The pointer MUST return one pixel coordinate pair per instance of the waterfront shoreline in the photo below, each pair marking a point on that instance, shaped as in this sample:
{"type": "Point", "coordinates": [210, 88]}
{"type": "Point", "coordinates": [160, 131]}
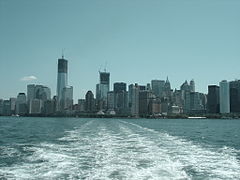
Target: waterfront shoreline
{"type": "Point", "coordinates": [183, 116]}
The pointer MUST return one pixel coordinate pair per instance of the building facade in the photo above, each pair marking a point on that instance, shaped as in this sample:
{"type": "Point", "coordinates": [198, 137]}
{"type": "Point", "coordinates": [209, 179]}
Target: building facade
{"type": "Point", "coordinates": [102, 90]}
{"type": "Point", "coordinates": [158, 87]}
{"type": "Point", "coordinates": [213, 99]}
{"type": "Point", "coordinates": [234, 96]}
{"type": "Point", "coordinates": [224, 97]}
{"type": "Point", "coordinates": [62, 82]}
{"type": "Point", "coordinates": [89, 102]}
{"type": "Point", "coordinates": [133, 93]}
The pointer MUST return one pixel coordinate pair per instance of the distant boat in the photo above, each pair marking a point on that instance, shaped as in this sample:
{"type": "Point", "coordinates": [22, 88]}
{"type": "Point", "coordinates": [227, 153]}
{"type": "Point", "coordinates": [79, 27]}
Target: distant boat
{"type": "Point", "coordinates": [15, 115]}
{"type": "Point", "coordinates": [192, 117]}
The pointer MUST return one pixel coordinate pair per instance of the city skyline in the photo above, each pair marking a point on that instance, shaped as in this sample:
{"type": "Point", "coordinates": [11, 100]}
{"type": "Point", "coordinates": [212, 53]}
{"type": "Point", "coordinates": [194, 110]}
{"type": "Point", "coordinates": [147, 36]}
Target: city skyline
{"type": "Point", "coordinates": [157, 98]}
{"type": "Point", "coordinates": [139, 41]}
{"type": "Point", "coordinates": [31, 80]}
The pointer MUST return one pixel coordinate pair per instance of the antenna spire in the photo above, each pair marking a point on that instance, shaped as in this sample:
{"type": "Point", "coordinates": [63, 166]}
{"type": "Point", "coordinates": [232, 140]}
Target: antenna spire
{"type": "Point", "coordinates": [105, 68]}
{"type": "Point", "coordinates": [63, 53]}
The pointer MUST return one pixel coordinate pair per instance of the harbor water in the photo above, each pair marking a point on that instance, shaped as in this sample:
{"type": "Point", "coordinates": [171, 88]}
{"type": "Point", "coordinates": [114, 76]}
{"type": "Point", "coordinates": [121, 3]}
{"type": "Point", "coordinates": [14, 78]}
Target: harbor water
{"type": "Point", "coordinates": [132, 149]}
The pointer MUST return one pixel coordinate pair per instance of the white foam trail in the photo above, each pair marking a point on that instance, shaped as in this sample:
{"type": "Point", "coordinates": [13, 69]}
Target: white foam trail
{"type": "Point", "coordinates": [114, 149]}
{"type": "Point", "coordinates": [204, 162]}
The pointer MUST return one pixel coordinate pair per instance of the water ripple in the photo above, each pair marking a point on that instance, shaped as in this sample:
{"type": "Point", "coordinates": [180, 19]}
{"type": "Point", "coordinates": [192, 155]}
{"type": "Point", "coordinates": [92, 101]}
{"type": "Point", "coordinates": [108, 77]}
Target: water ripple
{"type": "Point", "coordinates": [102, 150]}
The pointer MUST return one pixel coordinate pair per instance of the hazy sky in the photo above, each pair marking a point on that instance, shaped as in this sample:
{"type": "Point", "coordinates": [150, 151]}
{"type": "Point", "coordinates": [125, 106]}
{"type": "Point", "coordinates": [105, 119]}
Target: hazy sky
{"type": "Point", "coordinates": [140, 40]}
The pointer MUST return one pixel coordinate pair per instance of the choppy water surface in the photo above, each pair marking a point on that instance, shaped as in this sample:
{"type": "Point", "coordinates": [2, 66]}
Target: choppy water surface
{"type": "Point", "coordinates": [69, 148]}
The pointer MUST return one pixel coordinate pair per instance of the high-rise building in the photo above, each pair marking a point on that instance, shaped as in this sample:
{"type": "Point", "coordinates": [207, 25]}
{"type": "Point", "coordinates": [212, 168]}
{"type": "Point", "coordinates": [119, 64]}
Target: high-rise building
{"type": "Point", "coordinates": [224, 97]}
{"type": "Point", "coordinates": [36, 97]}
{"type": "Point", "coordinates": [42, 92]}
{"type": "Point", "coordinates": [1, 106]}
{"type": "Point", "coordinates": [167, 85]}
{"type": "Point", "coordinates": [185, 86]}
{"type": "Point", "coordinates": [111, 100]}
{"type": "Point", "coordinates": [21, 104]}
{"type": "Point", "coordinates": [192, 86]}
{"type": "Point", "coordinates": [178, 98]}
{"type": "Point", "coordinates": [89, 102]}
{"type": "Point", "coordinates": [133, 93]}
{"type": "Point", "coordinates": [49, 107]}
{"type": "Point", "coordinates": [13, 105]}
{"type": "Point", "coordinates": [31, 92]}
{"type": "Point", "coordinates": [104, 84]}
{"type": "Point", "coordinates": [6, 108]}
{"type": "Point", "coordinates": [102, 90]}
{"type": "Point", "coordinates": [149, 87]}
{"type": "Point", "coordinates": [38, 92]}
{"type": "Point", "coordinates": [193, 103]}
{"type": "Point", "coordinates": [213, 99]}
{"type": "Point", "coordinates": [203, 102]}
{"type": "Point", "coordinates": [144, 100]}
{"type": "Point", "coordinates": [142, 87]}
{"type": "Point", "coordinates": [119, 87]}
{"type": "Point", "coordinates": [35, 106]}
{"type": "Point", "coordinates": [167, 88]}
{"type": "Point", "coordinates": [158, 87]}
{"type": "Point", "coordinates": [155, 106]}
{"type": "Point", "coordinates": [120, 97]}
{"type": "Point", "coordinates": [62, 80]}
{"type": "Point", "coordinates": [81, 105]}
{"type": "Point", "coordinates": [235, 96]}
{"type": "Point", "coordinates": [185, 90]}
{"type": "Point", "coordinates": [67, 98]}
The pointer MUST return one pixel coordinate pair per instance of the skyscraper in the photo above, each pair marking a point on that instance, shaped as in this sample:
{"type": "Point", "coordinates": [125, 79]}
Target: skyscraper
{"type": "Point", "coordinates": [111, 100]}
{"type": "Point", "coordinates": [6, 108]}
{"type": "Point", "coordinates": [167, 88]}
{"type": "Point", "coordinates": [144, 99]}
{"type": "Point", "coordinates": [67, 98]}
{"type": "Point", "coordinates": [30, 92]}
{"type": "Point", "coordinates": [119, 87]}
{"type": "Point", "coordinates": [62, 80]}
{"type": "Point", "coordinates": [224, 97]}
{"type": "Point", "coordinates": [120, 97]}
{"type": "Point", "coordinates": [133, 92]}
{"type": "Point", "coordinates": [104, 84]}
{"type": "Point", "coordinates": [1, 106]}
{"type": "Point", "coordinates": [64, 91]}
{"type": "Point", "coordinates": [192, 86]}
{"type": "Point", "coordinates": [158, 87]}
{"type": "Point", "coordinates": [234, 96]}
{"type": "Point", "coordinates": [35, 106]}
{"type": "Point", "coordinates": [42, 92]}
{"type": "Point", "coordinates": [193, 103]}
{"type": "Point", "coordinates": [21, 104]}
{"type": "Point", "coordinates": [89, 102]}
{"type": "Point", "coordinates": [213, 99]}
{"type": "Point", "coordinates": [102, 90]}
{"type": "Point", "coordinates": [13, 105]}
{"type": "Point", "coordinates": [36, 97]}
{"type": "Point", "coordinates": [185, 87]}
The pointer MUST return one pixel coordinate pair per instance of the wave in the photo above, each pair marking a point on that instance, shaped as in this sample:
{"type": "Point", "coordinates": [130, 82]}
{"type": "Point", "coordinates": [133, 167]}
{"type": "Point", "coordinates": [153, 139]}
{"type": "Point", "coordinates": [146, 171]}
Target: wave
{"type": "Point", "coordinates": [116, 149]}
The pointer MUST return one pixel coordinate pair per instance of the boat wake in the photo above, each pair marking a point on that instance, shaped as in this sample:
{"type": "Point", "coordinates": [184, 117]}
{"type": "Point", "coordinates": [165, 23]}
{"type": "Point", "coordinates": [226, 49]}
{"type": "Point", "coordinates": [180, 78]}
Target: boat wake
{"type": "Point", "coordinates": [117, 149]}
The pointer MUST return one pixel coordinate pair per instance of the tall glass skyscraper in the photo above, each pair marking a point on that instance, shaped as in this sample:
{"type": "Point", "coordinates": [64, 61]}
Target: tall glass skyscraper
{"type": "Point", "coordinates": [134, 99]}
{"type": "Point", "coordinates": [103, 86]}
{"type": "Point", "coordinates": [62, 80]}
{"type": "Point", "coordinates": [158, 87]}
{"type": "Point", "coordinates": [224, 97]}
{"type": "Point", "coordinates": [102, 90]}
{"type": "Point", "coordinates": [213, 99]}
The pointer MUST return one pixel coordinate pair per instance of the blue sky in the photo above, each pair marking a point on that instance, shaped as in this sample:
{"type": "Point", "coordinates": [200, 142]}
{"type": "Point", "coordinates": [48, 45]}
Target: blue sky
{"type": "Point", "coordinates": [140, 40]}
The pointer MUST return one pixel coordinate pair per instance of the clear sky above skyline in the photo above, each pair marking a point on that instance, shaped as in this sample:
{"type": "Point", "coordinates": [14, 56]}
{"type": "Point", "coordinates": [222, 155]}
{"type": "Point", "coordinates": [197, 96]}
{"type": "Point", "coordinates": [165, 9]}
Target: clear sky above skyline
{"type": "Point", "coordinates": [140, 40]}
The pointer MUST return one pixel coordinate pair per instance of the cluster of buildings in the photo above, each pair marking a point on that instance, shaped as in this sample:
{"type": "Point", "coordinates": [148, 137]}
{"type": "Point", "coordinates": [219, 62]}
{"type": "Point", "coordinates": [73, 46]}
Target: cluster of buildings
{"type": "Point", "coordinates": [151, 100]}
{"type": "Point", "coordinates": [224, 98]}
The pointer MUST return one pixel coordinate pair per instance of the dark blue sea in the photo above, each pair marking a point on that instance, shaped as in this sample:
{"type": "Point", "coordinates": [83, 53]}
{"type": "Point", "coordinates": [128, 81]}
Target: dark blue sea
{"type": "Point", "coordinates": [132, 149]}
